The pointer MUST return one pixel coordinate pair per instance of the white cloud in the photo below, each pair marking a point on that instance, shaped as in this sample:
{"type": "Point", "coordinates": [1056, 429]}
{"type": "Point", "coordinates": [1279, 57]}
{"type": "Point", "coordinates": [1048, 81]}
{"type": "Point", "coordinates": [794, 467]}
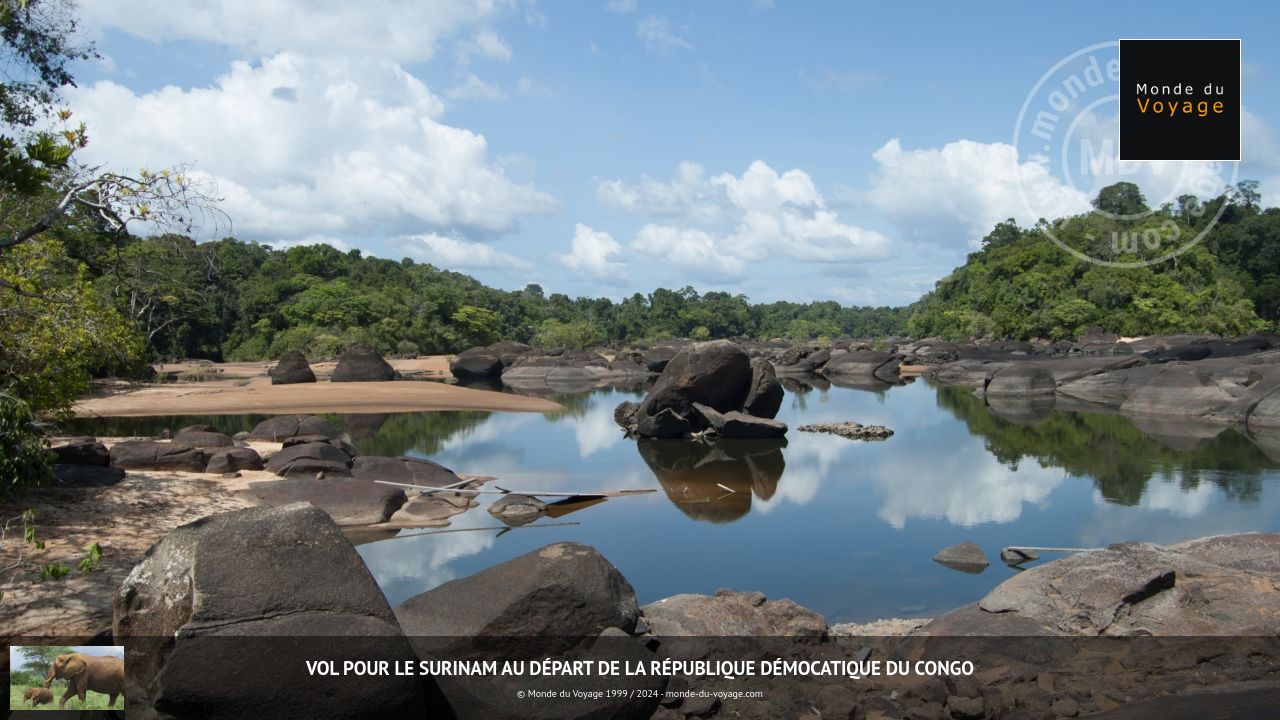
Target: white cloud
{"type": "Point", "coordinates": [960, 191]}
{"type": "Point", "coordinates": [300, 146]}
{"type": "Point", "coordinates": [656, 32]}
{"type": "Point", "coordinates": [592, 253]}
{"type": "Point", "coordinates": [473, 88]}
{"type": "Point", "coordinates": [456, 253]}
{"type": "Point", "coordinates": [485, 44]}
{"type": "Point", "coordinates": [721, 223]}
{"type": "Point", "coordinates": [384, 29]}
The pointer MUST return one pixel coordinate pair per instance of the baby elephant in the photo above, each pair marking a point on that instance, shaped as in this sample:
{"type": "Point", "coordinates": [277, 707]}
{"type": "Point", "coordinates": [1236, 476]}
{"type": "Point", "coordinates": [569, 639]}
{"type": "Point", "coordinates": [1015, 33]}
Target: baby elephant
{"type": "Point", "coordinates": [38, 696]}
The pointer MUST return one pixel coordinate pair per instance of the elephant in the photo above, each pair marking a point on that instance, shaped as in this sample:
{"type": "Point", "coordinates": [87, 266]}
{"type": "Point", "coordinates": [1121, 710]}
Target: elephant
{"type": "Point", "coordinates": [87, 672]}
{"type": "Point", "coordinates": [38, 696]}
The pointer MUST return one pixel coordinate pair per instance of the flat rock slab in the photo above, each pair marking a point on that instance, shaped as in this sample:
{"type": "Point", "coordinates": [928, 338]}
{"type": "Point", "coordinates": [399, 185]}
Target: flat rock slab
{"type": "Point", "coordinates": [403, 470]}
{"type": "Point", "coordinates": [283, 427]}
{"type": "Point", "coordinates": [347, 501]}
{"type": "Point", "coordinates": [731, 614]}
{"type": "Point", "coordinates": [850, 430]}
{"type": "Point", "coordinates": [152, 455]}
{"type": "Point", "coordinates": [1220, 586]}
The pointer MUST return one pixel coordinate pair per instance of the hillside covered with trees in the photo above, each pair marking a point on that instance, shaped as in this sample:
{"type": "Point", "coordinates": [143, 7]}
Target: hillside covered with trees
{"type": "Point", "coordinates": [1021, 285]}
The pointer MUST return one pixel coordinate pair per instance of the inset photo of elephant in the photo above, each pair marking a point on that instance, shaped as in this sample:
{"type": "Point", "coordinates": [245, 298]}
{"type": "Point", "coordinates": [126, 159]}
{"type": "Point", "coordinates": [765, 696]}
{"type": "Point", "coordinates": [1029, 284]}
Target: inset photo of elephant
{"type": "Point", "coordinates": [59, 677]}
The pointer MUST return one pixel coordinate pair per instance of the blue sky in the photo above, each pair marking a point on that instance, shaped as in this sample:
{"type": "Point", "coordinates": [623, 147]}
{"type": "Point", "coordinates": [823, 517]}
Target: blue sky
{"type": "Point", "coordinates": [610, 147]}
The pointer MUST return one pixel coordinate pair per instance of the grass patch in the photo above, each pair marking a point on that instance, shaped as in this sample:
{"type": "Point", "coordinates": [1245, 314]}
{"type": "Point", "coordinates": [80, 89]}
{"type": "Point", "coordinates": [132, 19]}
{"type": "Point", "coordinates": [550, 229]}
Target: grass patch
{"type": "Point", "coordinates": [92, 700]}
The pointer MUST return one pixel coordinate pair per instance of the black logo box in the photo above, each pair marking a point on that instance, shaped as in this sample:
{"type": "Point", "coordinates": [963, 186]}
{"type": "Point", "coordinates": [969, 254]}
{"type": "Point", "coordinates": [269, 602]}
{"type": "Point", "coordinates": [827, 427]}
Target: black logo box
{"type": "Point", "coordinates": [1181, 65]}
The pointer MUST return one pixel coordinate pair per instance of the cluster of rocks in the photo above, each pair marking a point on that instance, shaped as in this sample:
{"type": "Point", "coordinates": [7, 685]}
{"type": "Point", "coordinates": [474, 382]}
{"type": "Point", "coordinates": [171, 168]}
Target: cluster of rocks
{"type": "Point", "coordinates": [207, 591]}
{"type": "Point", "coordinates": [1205, 380]}
{"type": "Point", "coordinates": [358, 363]}
{"type": "Point", "coordinates": [526, 369]}
{"type": "Point", "coordinates": [708, 389]}
{"type": "Point", "coordinates": [850, 430]}
{"type": "Point", "coordinates": [316, 463]}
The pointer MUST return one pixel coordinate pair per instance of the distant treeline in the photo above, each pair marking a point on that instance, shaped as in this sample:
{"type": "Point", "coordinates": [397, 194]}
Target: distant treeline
{"type": "Point", "coordinates": [234, 300]}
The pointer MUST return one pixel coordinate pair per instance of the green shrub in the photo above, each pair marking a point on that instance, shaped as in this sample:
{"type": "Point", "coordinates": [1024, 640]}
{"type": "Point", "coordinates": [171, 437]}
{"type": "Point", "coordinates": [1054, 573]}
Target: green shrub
{"type": "Point", "coordinates": [23, 459]}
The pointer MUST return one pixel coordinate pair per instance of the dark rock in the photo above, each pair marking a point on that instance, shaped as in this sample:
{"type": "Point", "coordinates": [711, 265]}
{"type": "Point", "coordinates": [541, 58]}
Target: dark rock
{"type": "Point", "coordinates": [1184, 353]}
{"type": "Point", "coordinates": [339, 443]}
{"type": "Point", "coordinates": [283, 427]}
{"type": "Point", "coordinates": [508, 351]}
{"type": "Point", "coordinates": [192, 437]}
{"type": "Point", "coordinates": [566, 593]}
{"type": "Point", "coordinates": [410, 471]}
{"type": "Point", "coordinates": [1018, 556]}
{"type": "Point", "coordinates": [735, 424]}
{"type": "Point", "coordinates": [764, 399]}
{"type": "Point", "coordinates": [292, 368]}
{"type": "Point", "coordinates": [965, 557]}
{"type": "Point", "coordinates": [152, 455]}
{"type": "Point", "coordinates": [1224, 702]}
{"type": "Point", "coordinates": [656, 358]}
{"type": "Point", "coordinates": [863, 362]}
{"type": "Point", "coordinates": [85, 475]}
{"type": "Point", "coordinates": [716, 374]}
{"type": "Point", "coordinates": [1096, 335]}
{"type": "Point", "coordinates": [308, 458]}
{"type": "Point", "coordinates": [666, 425]}
{"type": "Point", "coordinates": [699, 706]}
{"type": "Point", "coordinates": [965, 708]}
{"type": "Point", "coordinates": [1021, 379]}
{"type": "Point", "coordinates": [82, 451]}
{"type": "Point", "coordinates": [361, 363]}
{"type": "Point", "coordinates": [1265, 414]}
{"type": "Point", "coordinates": [232, 460]}
{"type": "Point", "coordinates": [248, 574]}
{"type": "Point", "coordinates": [730, 614]}
{"type": "Point", "coordinates": [346, 500]}
{"type": "Point", "coordinates": [478, 362]}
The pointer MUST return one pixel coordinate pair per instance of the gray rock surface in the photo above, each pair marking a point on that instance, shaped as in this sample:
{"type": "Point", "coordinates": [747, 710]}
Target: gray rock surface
{"type": "Point", "coordinates": [346, 500]}
{"type": "Point", "coordinates": [732, 614]}
{"type": "Point", "coordinates": [1020, 380]}
{"type": "Point", "coordinates": [283, 427]}
{"type": "Point", "coordinates": [291, 369]}
{"type": "Point", "coordinates": [152, 455]}
{"type": "Point", "coordinates": [306, 459]}
{"type": "Point", "coordinates": [967, 556]}
{"type": "Point", "coordinates": [361, 363]}
{"type": "Point", "coordinates": [229, 460]}
{"type": "Point", "coordinates": [764, 398]}
{"type": "Point", "coordinates": [284, 571]}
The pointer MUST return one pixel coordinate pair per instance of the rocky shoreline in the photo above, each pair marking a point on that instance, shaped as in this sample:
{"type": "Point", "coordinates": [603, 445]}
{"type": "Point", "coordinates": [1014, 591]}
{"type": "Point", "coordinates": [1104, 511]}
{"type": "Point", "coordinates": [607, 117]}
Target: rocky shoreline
{"type": "Point", "coordinates": [221, 578]}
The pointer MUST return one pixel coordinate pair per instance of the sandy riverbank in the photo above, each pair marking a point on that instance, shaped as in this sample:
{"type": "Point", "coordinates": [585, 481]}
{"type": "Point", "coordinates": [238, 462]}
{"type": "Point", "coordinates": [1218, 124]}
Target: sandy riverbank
{"type": "Point", "coordinates": [244, 388]}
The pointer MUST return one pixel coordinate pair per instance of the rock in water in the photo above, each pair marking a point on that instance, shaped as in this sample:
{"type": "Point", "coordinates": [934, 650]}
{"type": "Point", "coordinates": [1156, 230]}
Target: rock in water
{"type": "Point", "coordinates": [517, 509]}
{"type": "Point", "coordinates": [1021, 379]}
{"type": "Point", "coordinates": [283, 427]}
{"type": "Point", "coordinates": [965, 557]}
{"type": "Point", "coordinates": [764, 399]}
{"type": "Point", "coordinates": [478, 362]}
{"type": "Point", "coordinates": [716, 374]}
{"type": "Point", "coordinates": [291, 369]}
{"type": "Point", "coordinates": [737, 425]}
{"type": "Point", "coordinates": [732, 614]}
{"type": "Point", "coordinates": [850, 430]}
{"type": "Point", "coordinates": [226, 587]}
{"type": "Point", "coordinates": [361, 363]}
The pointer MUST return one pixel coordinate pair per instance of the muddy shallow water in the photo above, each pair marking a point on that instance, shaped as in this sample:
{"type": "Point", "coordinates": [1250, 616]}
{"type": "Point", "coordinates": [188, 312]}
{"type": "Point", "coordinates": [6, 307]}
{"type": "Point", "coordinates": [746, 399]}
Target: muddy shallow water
{"type": "Point", "coordinates": [847, 528]}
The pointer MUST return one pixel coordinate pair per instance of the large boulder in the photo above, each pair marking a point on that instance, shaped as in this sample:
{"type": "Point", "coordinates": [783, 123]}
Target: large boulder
{"type": "Point", "coordinates": [764, 398]}
{"type": "Point", "coordinates": [965, 557]}
{"type": "Point", "coordinates": [732, 614]}
{"type": "Point", "coordinates": [292, 368]}
{"type": "Point", "coordinates": [228, 587]}
{"type": "Point", "coordinates": [565, 594]}
{"type": "Point", "coordinates": [411, 471]}
{"type": "Point", "coordinates": [864, 362]}
{"type": "Point", "coordinates": [1265, 414]}
{"type": "Point", "coordinates": [202, 436]}
{"type": "Point", "coordinates": [716, 374]}
{"type": "Point", "coordinates": [234, 459]}
{"type": "Point", "coordinates": [283, 427]}
{"type": "Point", "coordinates": [656, 358]}
{"type": "Point", "coordinates": [476, 363]}
{"type": "Point", "coordinates": [1021, 380]}
{"type": "Point", "coordinates": [1216, 586]}
{"type": "Point", "coordinates": [361, 363]}
{"type": "Point", "coordinates": [346, 500]}
{"type": "Point", "coordinates": [737, 425]}
{"type": "Point", "coordinates": [1110, 388]}
{"type": "Point", "coordinates": [82, 451]}
{"type": "Point", "coordinates": [508, 351]}
{"type": "Point", "coordinates": [80, 476]}
{"type": "Point", "coordinates": [153, 455]}
{"type": "Point", "coordinates": [1181, 390]}
{"type": "Point", "coordinates": [307, 459]}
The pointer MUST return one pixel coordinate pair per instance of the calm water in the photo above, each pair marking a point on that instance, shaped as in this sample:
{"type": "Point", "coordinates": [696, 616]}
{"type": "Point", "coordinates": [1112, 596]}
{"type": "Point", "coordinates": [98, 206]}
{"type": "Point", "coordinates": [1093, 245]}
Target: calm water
{"type": "Point", "coordinates": [846, 528]}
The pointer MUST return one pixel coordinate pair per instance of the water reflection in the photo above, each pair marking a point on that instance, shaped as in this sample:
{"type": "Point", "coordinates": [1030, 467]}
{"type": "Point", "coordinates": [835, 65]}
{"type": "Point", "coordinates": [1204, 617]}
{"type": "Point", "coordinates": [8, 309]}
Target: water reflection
{"type": "Point", "coordinates": [869, 516]}
{"type": "Point", "coordinates": [715, 482]}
